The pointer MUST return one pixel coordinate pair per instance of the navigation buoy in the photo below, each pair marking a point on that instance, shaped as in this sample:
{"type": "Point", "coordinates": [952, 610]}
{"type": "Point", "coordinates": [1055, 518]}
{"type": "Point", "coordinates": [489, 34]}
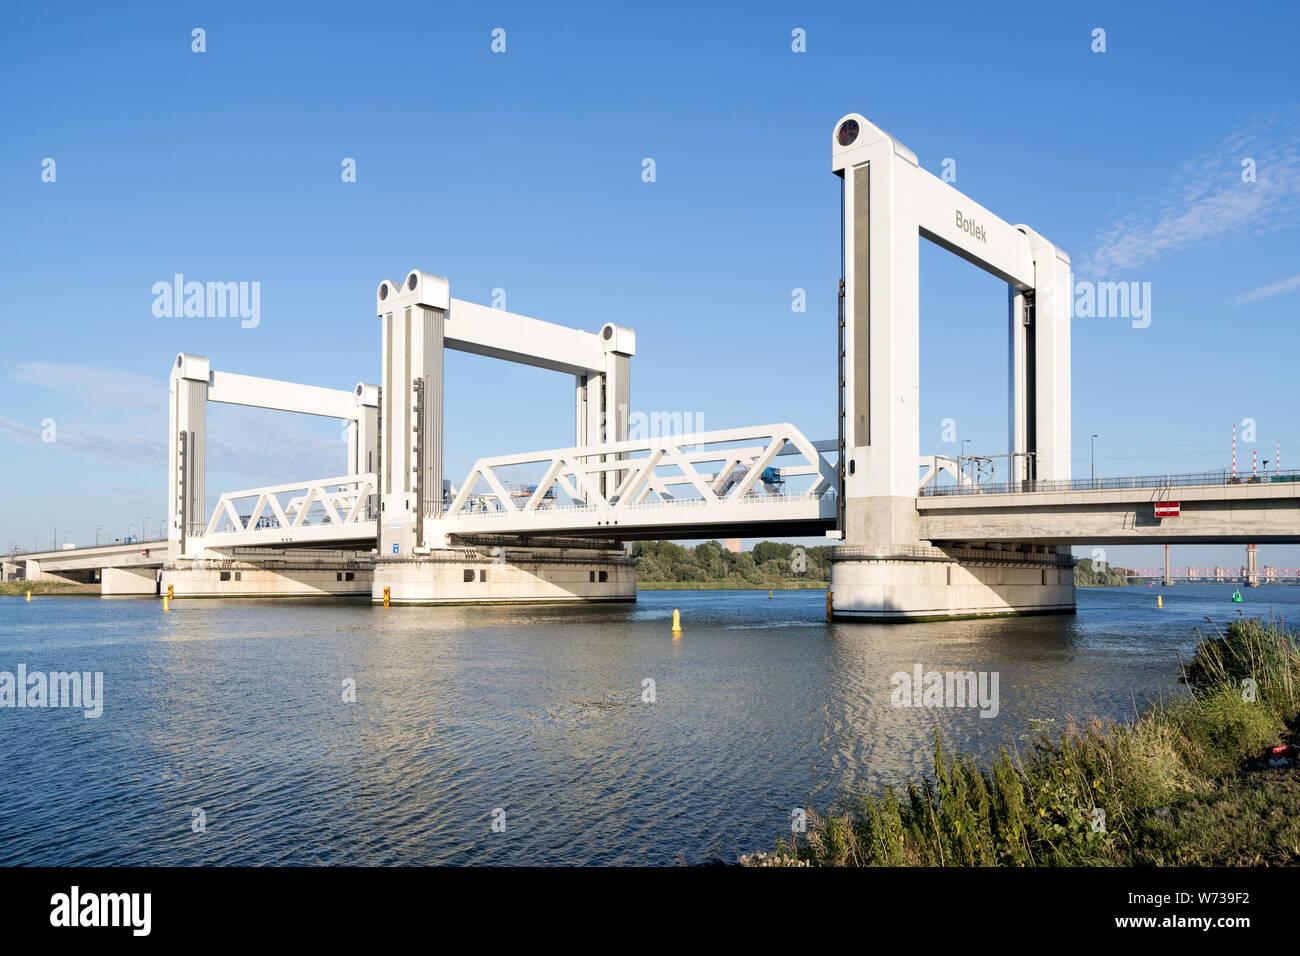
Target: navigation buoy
{"type": "Point", "coordinates": [769, 594]}
{"type": "Point", "coordinates": [830, 607]}
{"type": "Point", "coordinates": [677, 621]}
{"type": "Point", "coordinates": [167, 604]}
{"type": "Point", "coordinates": [385, 597]}
{"type": "Point", "coordinates": [1236, 597]}
{"type": "Point", "coordinates": [1160, 600]}
{"type": "Point", "coordinates": [29, 597]}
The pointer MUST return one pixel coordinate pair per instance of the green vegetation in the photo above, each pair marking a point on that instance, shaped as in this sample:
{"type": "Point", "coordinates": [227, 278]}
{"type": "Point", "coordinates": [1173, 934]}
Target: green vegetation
{"type": "Point", "coordinates": [46, 588]}
{"type": "Point", "coordinates": [1187, 783]}
{"type": "Point", "coordinates": [1090, 575]}
{"type": "Point", "coordinates": [662, 564]}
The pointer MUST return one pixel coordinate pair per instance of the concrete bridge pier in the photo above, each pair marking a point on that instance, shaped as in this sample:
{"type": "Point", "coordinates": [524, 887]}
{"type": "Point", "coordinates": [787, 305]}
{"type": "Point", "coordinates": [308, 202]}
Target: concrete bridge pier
{"type": "Point", "coordinates": [518, 572]}
{"type": "Point", "coordinates": [925, 583]}
{"type": "Point", "coordinates": [272, 574]}
{"type": "Point", "coordinates": [124, 581]}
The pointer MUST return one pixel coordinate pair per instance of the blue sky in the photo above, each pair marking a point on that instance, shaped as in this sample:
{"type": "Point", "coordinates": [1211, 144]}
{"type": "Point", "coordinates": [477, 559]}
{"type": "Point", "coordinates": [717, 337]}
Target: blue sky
{"type": "Point", "coordinates": [522, 171]}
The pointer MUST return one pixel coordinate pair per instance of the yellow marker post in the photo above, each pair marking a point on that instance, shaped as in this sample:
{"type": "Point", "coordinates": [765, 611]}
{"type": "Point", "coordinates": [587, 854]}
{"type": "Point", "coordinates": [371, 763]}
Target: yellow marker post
{"type": "Point", "coordinates": [1160, 600]}
{"type": "Point", "coordinates": [29, 597]}
{"type": "Point", "coordinates": [769, 594]}
{"type": "Point", "coordinates": [171, 595]}
{"type": "Point", "coordinates": [829, 606]}
{"type": "Point", "coordinates": [167, 604]}
{"type": "Point", "coordinates": [677, 621]}
{"type": "Point", "coordinates": [385, 597]}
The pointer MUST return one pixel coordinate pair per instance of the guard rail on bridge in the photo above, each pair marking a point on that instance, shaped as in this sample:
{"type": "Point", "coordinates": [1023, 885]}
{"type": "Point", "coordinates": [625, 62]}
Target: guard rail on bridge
{"type": "Point", "coordinates": [1201, 479]}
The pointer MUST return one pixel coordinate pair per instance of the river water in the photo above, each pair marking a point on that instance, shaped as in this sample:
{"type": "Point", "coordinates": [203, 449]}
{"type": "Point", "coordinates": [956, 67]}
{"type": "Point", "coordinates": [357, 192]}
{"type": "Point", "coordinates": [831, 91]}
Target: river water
{"type": "Point", "coordinates": [236, 709]}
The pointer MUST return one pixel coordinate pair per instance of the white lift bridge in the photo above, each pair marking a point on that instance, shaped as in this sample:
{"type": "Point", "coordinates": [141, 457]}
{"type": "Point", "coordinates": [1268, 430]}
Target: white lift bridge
{"type": "Point", "coordinates": [767, 479]}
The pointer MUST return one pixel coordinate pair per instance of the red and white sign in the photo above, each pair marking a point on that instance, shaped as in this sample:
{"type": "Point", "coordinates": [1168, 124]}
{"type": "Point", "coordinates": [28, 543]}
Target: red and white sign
{"type": "Point", "coordinates": [1167, 509]}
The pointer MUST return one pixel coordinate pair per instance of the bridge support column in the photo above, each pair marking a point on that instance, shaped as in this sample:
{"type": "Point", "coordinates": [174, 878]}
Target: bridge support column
{"type": "Point", "coordinates": [1252, 566]}
{"type": "Point", "coordinates": [528, 572]}
{"type": "Point", "coordinates": [413, 318]}
{"type": "Point", "coordinates": [121, 581]}
{"type": "Point", "coordinates": [187, 438]}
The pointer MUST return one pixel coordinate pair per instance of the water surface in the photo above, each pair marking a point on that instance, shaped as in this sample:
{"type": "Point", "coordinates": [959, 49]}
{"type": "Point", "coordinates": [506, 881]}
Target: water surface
{"type": "Point", "coordinates": [236, 707]}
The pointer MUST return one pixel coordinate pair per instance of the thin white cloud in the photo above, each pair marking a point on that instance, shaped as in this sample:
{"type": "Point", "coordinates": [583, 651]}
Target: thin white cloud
{"type": "Point", "coordinates": [102, 387]}
{"type": "Point", "coordinates": [97, 443]}
{"type": "Point", "coordinates": [1207, 201]}
{"type": "Point", "coordinates": [1268, 291]}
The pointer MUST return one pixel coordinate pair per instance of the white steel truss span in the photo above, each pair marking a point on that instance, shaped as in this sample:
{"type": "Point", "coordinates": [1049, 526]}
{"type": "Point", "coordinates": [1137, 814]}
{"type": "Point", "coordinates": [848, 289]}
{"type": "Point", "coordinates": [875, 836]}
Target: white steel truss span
{"type": "Point", "coordinates": [331, 509]}
{"type": "Point", "coordinates": [728, 477]}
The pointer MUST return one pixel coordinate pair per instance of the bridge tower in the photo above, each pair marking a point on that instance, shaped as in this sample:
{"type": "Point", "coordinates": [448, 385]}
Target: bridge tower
{"type": "Point", "coordinates": [884, 570]}
{"type": "Point", "coordinates": [419, 560]}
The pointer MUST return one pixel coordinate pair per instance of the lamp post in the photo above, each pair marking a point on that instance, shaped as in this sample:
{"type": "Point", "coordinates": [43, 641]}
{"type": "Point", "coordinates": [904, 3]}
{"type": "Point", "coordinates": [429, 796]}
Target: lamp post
{"type": "Point", "coordinates": [1093, 459]}
{"type": "Point", "coordinates": [960, 454]}
{"type": "Point", "coordinates": [98, 529]}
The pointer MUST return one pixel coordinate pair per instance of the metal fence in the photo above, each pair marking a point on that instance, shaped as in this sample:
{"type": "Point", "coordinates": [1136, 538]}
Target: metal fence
{"type": "Point", "coordinates": [1222, 477]}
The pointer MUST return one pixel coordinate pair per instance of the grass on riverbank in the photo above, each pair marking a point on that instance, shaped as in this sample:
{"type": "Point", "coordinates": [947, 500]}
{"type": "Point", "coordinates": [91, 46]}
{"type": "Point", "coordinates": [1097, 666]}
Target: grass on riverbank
{"type": "Point", "coordinates": [1187, 783]}
{"type": "Point", "coordinates": [21, 588]}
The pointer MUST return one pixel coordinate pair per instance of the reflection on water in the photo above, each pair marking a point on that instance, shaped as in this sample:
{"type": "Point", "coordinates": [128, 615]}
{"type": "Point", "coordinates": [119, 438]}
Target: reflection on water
{"type": "Point", "coordinates": [236, 708]}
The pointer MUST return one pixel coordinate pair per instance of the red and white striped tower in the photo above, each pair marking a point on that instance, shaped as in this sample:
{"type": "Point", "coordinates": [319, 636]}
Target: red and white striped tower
{"type": "Point", "coordinates": [1277, 459]}
{"type": "Point", "coordinates": [1254, 463]}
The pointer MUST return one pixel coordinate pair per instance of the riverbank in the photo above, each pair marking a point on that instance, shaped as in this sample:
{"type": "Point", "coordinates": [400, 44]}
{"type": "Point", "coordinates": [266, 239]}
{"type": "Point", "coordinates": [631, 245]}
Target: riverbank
{"type": "Point", "coordinates": [46, 588]}
{"type": "Point", "coordinates": [1194, 782]}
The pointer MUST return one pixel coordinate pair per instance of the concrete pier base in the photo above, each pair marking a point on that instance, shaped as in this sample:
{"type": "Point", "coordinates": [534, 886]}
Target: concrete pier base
{"type": "Point", "coordinates": [921, 583]}
{"type": "Point", "coordinates": [122, 581]}
{"type": "Point", "coordinates": [268, 579]}
{"type": "Point", "coordinates": [506, 575]}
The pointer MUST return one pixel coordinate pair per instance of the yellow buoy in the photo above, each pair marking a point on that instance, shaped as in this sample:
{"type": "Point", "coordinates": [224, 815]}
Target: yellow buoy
{"type": "Point", "coordinates": [829, 606]}
{"type": "Point", "coordinates": [29, 597]}
{"type": "Point", "coordinates": [677, 621]}
{"type": "Point", "coordinates": [1160, 600]}
{"type": "Point", "coordinates": [769, 594]}
{"type": "Point", "coordinates": [385, 597]}
{"type": "Point", "coordinates": [170, 593]}
{"type": "Point", "coordinates": [167, 604]}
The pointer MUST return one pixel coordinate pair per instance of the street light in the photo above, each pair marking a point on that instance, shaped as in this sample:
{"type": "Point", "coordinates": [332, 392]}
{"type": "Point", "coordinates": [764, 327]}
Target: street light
{"type": "Point", "coordinates": [1093, 461]}
{"type": "Point", "coordinates": [98, 529]}
{"type": "Point", "coordinates": [960, 455]}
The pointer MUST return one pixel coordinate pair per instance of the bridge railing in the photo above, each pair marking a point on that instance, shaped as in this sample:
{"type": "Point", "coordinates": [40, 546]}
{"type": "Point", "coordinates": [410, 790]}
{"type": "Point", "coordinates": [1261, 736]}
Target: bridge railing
{"type": "Point", "coordinates": [1221, 477]}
